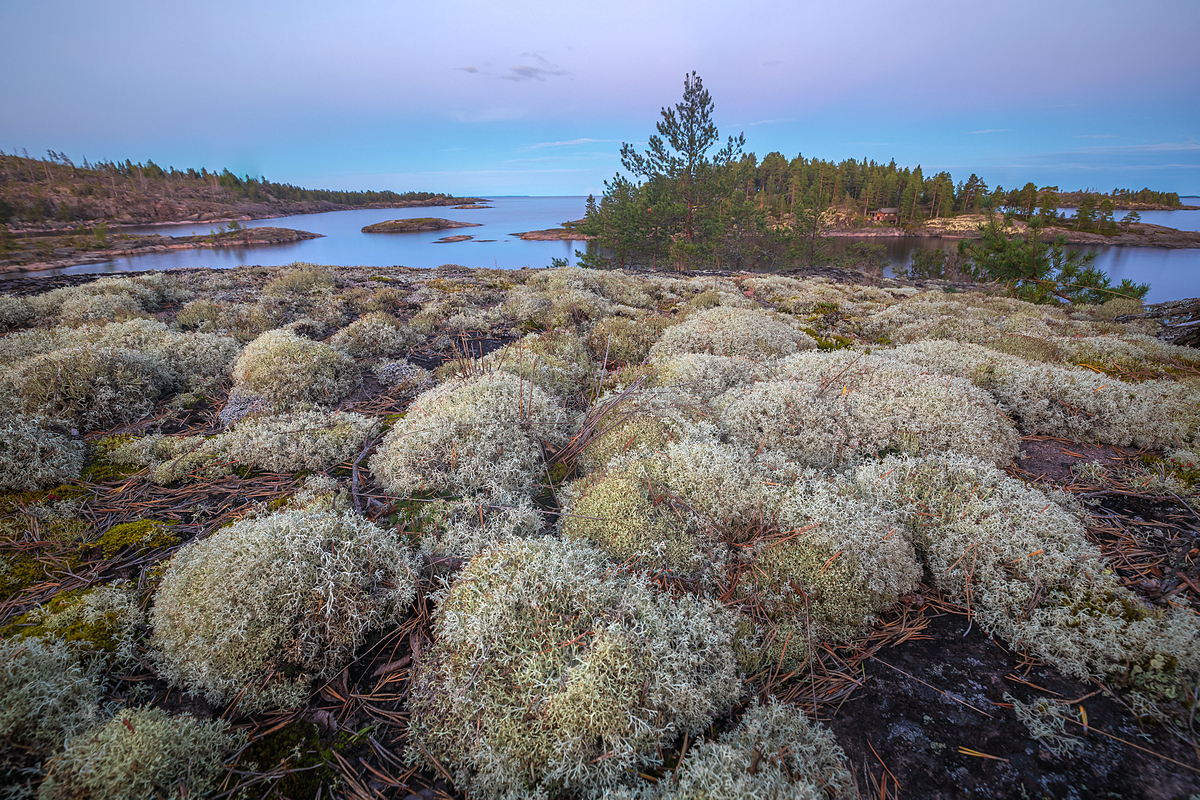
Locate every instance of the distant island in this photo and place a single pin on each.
(56, 194)
(417, 225)
(26, 252)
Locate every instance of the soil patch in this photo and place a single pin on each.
(932, 717)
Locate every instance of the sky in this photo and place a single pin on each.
(535, 98)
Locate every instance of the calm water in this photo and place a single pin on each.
(1172, 274)
(345, 244)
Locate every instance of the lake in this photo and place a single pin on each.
(1172, 274)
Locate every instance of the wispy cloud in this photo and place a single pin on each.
(1095, 136)
(567, 143)
(472, 70)
(988, 130)
(1158, 147)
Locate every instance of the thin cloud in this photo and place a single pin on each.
(528, 72)
(1095, 136)
(568, 143)
(1159, 147)
(471, 70)
(988, 130)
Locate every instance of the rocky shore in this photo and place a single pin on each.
(417, 225)
(59, 252)
(174, 212)
(1139, 234)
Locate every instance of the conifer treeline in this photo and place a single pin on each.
(866, 186)
(56, 187)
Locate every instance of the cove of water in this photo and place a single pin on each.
(1172, 274)
(344, 243)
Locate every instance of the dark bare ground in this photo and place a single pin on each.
(927, 702)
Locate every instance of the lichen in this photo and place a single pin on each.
(142, 753)
(274, 602)
(472, 435)
(103, 619)
(49, 692)
(553, 673)
(726, 331)
(33, 456)
(374, 335)
(287, 370)
(774, 752)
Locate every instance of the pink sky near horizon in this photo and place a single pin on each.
(535, 98)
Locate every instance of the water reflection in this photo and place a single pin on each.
(1172, 274)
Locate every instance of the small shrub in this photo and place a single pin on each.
(472, 435)
(33, 457)
(726, 331)
(551, 673)
(374, 335)
(287, 370)
(142, 753)
(274, 602)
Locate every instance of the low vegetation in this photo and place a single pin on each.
(569, 533)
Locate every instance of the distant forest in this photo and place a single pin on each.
(56, 189)
(864, 186)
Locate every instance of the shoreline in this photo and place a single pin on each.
(247, 237)
(1140, 234)
(255, 214)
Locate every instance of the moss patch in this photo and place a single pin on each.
(142, 535)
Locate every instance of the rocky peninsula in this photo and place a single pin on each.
(54, 251)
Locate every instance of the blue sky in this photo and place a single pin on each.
(536, 97)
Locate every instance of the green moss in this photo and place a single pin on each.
(832, 342)
(299, 746)
(102, 635)
(142, 535)
(20, 572)
(15, 501)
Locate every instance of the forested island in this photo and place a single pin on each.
(56, 194)
(690, 201)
